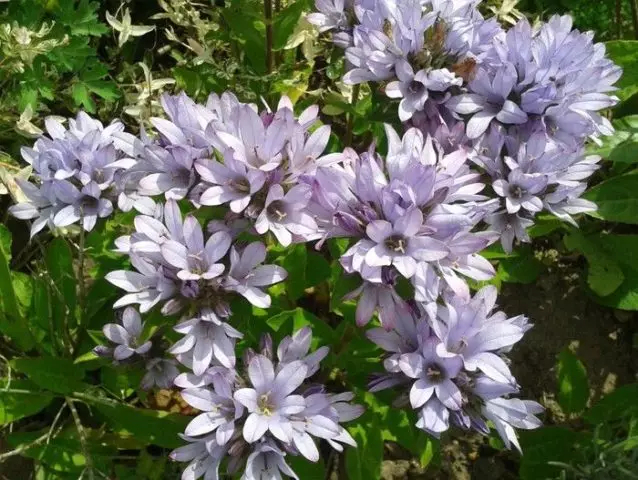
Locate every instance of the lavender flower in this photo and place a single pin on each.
(75, 171)
(283, 214)
(127, 336)
(454, 371)
(160, 372)
(279, 412)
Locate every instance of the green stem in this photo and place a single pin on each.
(82, 434)
(269, 35)
(81, 288)
(350, 124)
(634, 16)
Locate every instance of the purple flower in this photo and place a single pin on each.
(267, 461)
(127, 336)
(85, 205)
(194, 259)
(399, 244)
(232, 182)
(330, 15)
(284, 214)
(270, 402)
(160, 372)
(472, 332)
(490, 101)
(205, 338)
(219, 411)
(519, 191)
(433, 374)
(246, 274)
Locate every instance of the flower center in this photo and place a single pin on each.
(240, 184)
(415, 87)
(516, 191)
(396, 243)
(264, 405)
(88, 203)
(277, 210)
(434, 373)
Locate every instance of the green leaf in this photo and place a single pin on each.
(617, 199)
(285, 22)
(295, 263)
(82, 97)
(5, 241)
(242, 22)
(549, 444)
(14, 406)
(621, 146)
(81, 17)
(604, 274)
(152, 426)
(11, 323)
(625, 54)
(622, 250)
(59, 261)
(618, 404)
(317, 269)
(57, 374)
(573, 387)
(524, 268)
(364, 462)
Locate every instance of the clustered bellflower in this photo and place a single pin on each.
(77, 172)
(495, 126)
(448, 361)
(463, 78)
(260, 412)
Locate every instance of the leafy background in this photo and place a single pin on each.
(65, 414)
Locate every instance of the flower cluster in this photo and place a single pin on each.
(130, 347)
(462, 78)
(196, 276)
(227, 153)
(413, 215)
(449, 360)
(258, 414)
(76, 170)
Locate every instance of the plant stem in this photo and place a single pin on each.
(634, 16)
(350, 124)
(619, 19)
(279, 56)
(82, 435)
(269, 35)
(82, 289)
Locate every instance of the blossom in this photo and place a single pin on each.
(246, 274)
(160, 372)
(284, 214)
(258, 414)
(127, 336)
(450, 361)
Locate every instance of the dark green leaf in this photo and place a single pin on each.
(14, 406)
(625, 54)
(617, 199)
(154, 427)
(59, 261)
(364, 462)
(295, 263)
(548, 444)
(285, 22)
(573, 387)
(604, 274)
(524, 268)
(616, 405)
(57, 374)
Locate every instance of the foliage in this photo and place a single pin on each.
(76, 414)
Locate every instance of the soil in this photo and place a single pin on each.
(564, 317)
